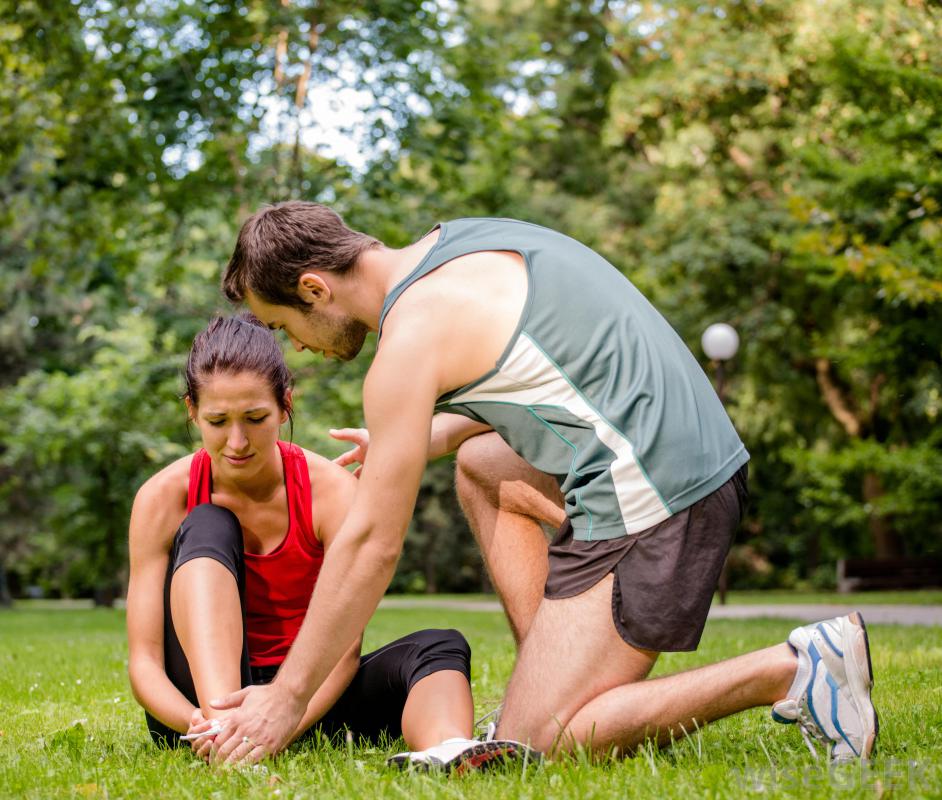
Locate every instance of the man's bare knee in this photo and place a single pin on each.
(572, 657)
(540, 733)
(488, 468)
(481, 459)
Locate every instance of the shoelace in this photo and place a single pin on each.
(810, 731)
(491, 727)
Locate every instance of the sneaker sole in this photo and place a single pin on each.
(859, 670)
(485, 755)
(492, 754)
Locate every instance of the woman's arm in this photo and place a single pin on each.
(154, 517)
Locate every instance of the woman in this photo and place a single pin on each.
(226, 545)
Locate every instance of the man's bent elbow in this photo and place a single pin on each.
(384, 555)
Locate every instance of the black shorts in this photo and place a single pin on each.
(370, 708)
(665, 576)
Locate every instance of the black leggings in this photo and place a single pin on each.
(370, 707)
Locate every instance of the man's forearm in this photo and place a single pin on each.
(351, 583)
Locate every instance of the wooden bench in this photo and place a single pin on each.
(863, 574)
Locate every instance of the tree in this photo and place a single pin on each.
(797, 167)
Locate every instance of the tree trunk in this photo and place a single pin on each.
(5, 599)
(430, 566)
(813, 554)
(886, 543)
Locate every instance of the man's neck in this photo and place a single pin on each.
(377, 271)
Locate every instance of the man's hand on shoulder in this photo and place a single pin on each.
(360, 439)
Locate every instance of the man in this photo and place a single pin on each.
(571, 402)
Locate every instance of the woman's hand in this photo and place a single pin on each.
(201, 747)
(358, 436)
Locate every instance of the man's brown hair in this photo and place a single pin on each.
(281, 242)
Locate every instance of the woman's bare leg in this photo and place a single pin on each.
(207, 618)
(438, 707)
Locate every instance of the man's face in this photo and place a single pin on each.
(334, 334)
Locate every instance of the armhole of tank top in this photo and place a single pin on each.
(301, 501)
(420, 271)
(195, 480)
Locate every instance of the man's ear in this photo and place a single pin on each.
(313, 289)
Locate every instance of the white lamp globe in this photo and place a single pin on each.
(720, 342)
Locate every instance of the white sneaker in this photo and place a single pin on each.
(830, 696)
(462, 755)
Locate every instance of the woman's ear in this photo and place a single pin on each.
(288, 406)
(190, 407)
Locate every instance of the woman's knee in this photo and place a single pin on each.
(210, 532)
(441, 649)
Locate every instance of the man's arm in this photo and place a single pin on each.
(448, 432)
(398, 405)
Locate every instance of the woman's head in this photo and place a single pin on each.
(238, 388)
(238, 344)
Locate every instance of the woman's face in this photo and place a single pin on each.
(238, 418)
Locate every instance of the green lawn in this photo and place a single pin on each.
(57, 667)
(781, 597)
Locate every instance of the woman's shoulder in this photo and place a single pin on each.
(326, 477)
(165, 492)
(321, 469)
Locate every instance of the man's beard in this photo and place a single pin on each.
(346, 336)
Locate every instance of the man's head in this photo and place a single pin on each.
(282, 242)
(281, 267)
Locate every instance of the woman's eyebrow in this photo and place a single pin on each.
(255, 410)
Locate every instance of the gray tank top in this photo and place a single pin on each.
(594, 387)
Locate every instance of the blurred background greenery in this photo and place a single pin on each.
(773, 164)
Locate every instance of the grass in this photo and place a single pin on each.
(60, 666)
(782, 597)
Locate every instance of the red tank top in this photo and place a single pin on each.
(278, 584)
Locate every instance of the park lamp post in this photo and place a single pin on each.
(720, 343)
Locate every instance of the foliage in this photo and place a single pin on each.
(795, 151)
(773, 164)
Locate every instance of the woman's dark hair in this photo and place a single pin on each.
(279, 243)
(229, 345)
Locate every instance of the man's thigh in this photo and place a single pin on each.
(571, 655)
